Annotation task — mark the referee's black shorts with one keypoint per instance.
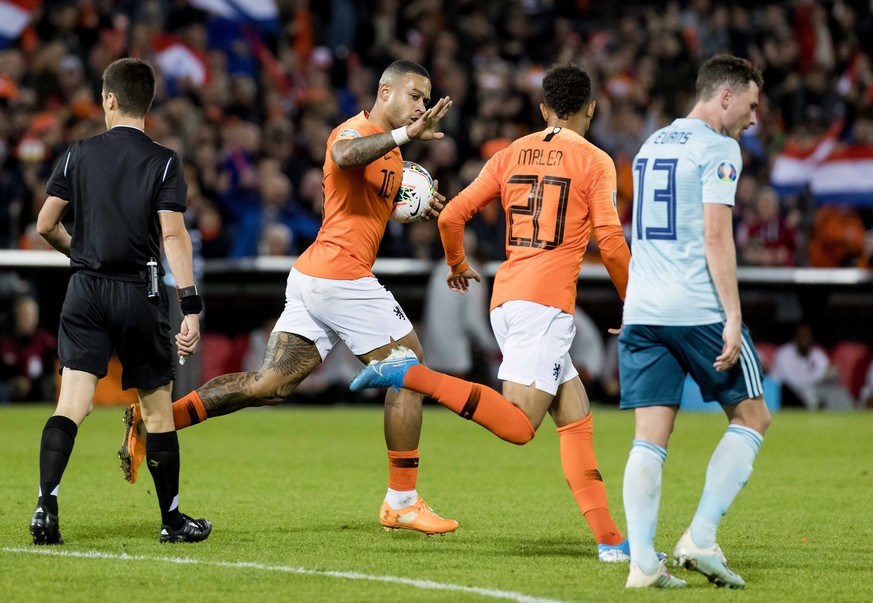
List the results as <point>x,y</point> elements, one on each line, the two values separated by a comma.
<point>103,313</point>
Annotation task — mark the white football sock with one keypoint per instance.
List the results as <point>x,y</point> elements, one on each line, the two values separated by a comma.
<point>398,499</point>
<point>729,469</point>
<point>641,491</point>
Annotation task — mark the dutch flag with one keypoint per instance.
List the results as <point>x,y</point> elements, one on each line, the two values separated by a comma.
<point>15,15</point>
<point>263,14</point>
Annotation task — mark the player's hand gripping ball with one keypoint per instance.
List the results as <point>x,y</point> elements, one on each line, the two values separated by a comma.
<point>416,188</point>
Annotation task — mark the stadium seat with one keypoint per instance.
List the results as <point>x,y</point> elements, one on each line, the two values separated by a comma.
<point>851,359</point>
<point>221,354</point>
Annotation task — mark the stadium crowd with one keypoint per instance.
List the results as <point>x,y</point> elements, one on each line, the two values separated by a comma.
<point>249,104</point>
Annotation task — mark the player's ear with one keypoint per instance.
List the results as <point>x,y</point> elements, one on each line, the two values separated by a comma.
<point>591,107</point>
<point>544,111</point>
<point>384,91</point>
<point>725,96</point>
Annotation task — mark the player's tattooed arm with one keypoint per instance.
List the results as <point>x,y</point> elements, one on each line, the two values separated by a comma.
<point>353,153</point>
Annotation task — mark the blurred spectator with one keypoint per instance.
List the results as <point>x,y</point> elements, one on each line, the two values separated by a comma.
<point>457,333</point>
<point>837,238</point>
<point>276,240</point>
<point>587,351</point>
<point>867,390</point>
<point>28,356</point>
<point>770,239</point>
<point>609,387</point>
<point>232,94</point>
<point>744,201</point>
<point>808,379</point>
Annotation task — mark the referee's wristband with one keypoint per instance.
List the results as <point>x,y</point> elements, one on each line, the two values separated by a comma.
<point>400,136</point>
<point>186,291</point>
<point>191,304</point>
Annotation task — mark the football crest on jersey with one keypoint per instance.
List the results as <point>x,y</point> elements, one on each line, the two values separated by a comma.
<point>726,171</point>
<point>349,133</point>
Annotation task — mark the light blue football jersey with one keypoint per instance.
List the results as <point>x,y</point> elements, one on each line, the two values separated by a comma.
<point>678,169</point>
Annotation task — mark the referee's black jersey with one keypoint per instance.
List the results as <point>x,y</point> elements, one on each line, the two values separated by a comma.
<point>117,182</point>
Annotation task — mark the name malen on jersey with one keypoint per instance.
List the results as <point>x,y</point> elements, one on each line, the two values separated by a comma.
<point>674,137</point>
<point>540,157</point>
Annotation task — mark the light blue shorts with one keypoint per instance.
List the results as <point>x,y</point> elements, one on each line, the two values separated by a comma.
<point>653,362</point>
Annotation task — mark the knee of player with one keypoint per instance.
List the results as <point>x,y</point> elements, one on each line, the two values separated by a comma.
<point>523,434</point>
<point>764,422</point>
<point>761,418</point>
<point>524,439</point>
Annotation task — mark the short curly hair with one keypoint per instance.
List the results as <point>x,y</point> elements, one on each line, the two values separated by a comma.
<point>566,89</point>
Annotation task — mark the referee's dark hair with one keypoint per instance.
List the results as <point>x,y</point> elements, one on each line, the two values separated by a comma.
<point>133,83</point>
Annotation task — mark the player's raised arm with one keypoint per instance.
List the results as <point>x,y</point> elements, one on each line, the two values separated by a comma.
<point>425,127</point>
<point>400,110</point>
<point>354,153</point>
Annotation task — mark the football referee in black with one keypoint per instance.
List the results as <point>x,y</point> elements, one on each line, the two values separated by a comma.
<point>127,193</point>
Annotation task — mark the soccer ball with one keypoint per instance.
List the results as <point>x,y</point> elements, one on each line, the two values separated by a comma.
<point>415,190</point>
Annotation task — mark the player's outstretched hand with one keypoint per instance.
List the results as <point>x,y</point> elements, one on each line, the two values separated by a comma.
<point>424,128</point>
<point>459,282</point>
<point>435,204</point>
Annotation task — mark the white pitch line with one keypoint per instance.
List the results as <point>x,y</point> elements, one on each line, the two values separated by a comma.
<point>424,584</point>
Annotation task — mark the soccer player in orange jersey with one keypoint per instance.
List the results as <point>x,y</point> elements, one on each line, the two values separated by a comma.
<point>332,294</point>
<point>554,186</point>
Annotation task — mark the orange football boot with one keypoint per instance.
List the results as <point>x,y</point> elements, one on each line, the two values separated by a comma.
<point>419,517</point>
<point>133,447</point>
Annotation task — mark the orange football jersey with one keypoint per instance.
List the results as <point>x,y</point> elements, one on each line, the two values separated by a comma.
<point>554,185</point>
<point>357,203</point>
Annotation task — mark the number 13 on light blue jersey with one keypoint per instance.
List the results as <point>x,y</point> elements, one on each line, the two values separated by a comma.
<point>664,216</point>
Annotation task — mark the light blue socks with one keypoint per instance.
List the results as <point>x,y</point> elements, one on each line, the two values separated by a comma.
<point>729,469</point>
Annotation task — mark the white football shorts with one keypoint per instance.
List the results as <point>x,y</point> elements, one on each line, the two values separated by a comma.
<point>361,312</point>
<point>535,342</point>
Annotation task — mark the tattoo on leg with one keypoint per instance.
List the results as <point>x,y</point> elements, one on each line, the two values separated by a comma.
<point>289,359</point>
<point>289,355</point>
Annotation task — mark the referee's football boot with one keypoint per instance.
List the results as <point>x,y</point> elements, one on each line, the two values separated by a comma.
<point>44,527</point>
<point>660,579</point>
<point>192,530</point>
<point>133,446</point>
<point>418,517</point>
<point>388,372</point>
<point>710,562</point>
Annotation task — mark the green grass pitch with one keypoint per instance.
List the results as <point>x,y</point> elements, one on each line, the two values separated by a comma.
<point>294,495</point>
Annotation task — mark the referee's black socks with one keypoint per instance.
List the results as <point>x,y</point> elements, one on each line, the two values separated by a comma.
<point>58,437</point>
<point>162,458</point>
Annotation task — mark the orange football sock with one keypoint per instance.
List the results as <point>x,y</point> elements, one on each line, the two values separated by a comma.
<point>402,469</point>
<point>472,401</point>
<point>188,411</point>
<point>580,469</point>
